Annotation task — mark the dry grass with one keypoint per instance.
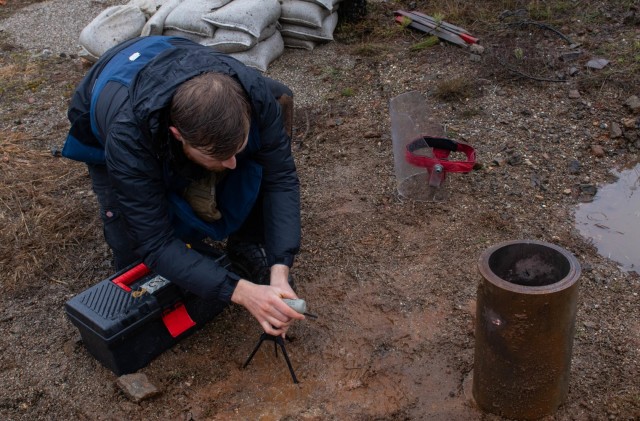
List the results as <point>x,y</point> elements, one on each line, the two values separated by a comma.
<point>455,89</point>
<point>44,208</point>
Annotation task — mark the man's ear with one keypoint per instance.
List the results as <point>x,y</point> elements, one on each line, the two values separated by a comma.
<point>175,133</point>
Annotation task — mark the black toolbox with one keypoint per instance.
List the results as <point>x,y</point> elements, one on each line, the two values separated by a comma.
<point>127,320</point>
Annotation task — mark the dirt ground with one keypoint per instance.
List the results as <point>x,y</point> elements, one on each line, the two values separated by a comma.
<point>392,280</point>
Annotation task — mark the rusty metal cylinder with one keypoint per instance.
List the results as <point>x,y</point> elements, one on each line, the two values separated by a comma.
<point>525,322</point>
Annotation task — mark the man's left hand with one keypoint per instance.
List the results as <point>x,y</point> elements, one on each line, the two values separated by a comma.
<point>280,278</point>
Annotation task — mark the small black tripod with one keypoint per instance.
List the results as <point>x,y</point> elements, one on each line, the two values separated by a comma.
<point>277,340</point>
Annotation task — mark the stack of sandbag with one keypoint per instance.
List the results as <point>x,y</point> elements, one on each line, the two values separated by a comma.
<point>307,23</point>
<point>245,29</point>
<point>248,31</point>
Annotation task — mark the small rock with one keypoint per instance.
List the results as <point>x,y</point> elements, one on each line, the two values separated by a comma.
<point>615,131</point>
<point>573,71</point>
<point>567,191</point>
<point>574,94</point>
<point>633,102</point>
<point>476,49</point>
<point>574,166</point>
<point>597,63</point>
<point>571,55</point>
<point>137,387</point>
<point>629,123</point>
<point>70,346</point>
<point>597,150</point>
<point>371,135</point>
<point>31,100</point>
<point>499,160</point>
<point>475,57</point>
<point>536,181</point>
<point>515,159</point>
<point>588,189</point>
<point>46,53</point>
<point>631,136</point>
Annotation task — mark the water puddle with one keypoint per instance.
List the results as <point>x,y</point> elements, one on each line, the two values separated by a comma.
<point>612,220</point>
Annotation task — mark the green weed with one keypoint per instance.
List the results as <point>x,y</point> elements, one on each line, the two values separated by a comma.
<point>348,92</point>
<point>370,50</point>
<point>426,43</point>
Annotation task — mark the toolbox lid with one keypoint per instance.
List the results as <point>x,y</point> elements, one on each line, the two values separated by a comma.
<point>109,311</point>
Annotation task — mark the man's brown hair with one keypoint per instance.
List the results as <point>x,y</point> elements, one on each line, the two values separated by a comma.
<point>212,113</point>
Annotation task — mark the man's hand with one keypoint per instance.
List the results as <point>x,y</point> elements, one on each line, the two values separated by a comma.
<point>280,278</point>
<point>265,303</point>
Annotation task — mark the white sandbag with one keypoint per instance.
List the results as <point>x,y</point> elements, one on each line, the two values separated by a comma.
<point>155,24</point>
<point>233,41</point>
<point>230,41</point>
<point>299,12</point>
<point>263,54</point>
<point>330,5</point>
<point>187,16</point>
<point>148,7</point>
<point>250,16</point>
<point>269,31</point>
<point>302,32</point>
<point>183,34</point>
<point>112,26</point>
<point>87,55</point>
<point>299,43</point>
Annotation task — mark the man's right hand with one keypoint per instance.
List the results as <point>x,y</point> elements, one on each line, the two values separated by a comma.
<point>265,303</point>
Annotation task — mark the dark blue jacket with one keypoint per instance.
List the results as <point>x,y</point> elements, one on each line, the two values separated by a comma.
<point>139,153</point>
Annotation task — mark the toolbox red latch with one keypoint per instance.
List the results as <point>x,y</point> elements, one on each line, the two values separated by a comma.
<point>177,320</point>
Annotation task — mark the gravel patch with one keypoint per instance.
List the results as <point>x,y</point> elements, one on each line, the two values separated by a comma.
<point>53,25</point>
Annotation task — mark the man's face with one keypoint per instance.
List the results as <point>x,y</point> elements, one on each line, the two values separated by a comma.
<point>207,161</point>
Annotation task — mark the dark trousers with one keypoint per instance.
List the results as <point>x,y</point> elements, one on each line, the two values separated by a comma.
<point>114,224</point>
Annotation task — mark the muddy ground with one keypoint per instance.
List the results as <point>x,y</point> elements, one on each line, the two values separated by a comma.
<point>392,280</point>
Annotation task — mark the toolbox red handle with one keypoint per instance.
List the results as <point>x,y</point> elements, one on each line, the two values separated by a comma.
<point>130,276</point>
<point>177,320</point>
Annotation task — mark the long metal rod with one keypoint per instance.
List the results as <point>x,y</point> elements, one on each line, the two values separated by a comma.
<point>440,29</point>
<point>447,36</point>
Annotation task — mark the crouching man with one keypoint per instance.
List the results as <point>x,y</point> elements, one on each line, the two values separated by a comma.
<point>182,144</point>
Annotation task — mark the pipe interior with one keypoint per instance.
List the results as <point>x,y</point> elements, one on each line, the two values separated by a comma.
<point>529,264</point>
